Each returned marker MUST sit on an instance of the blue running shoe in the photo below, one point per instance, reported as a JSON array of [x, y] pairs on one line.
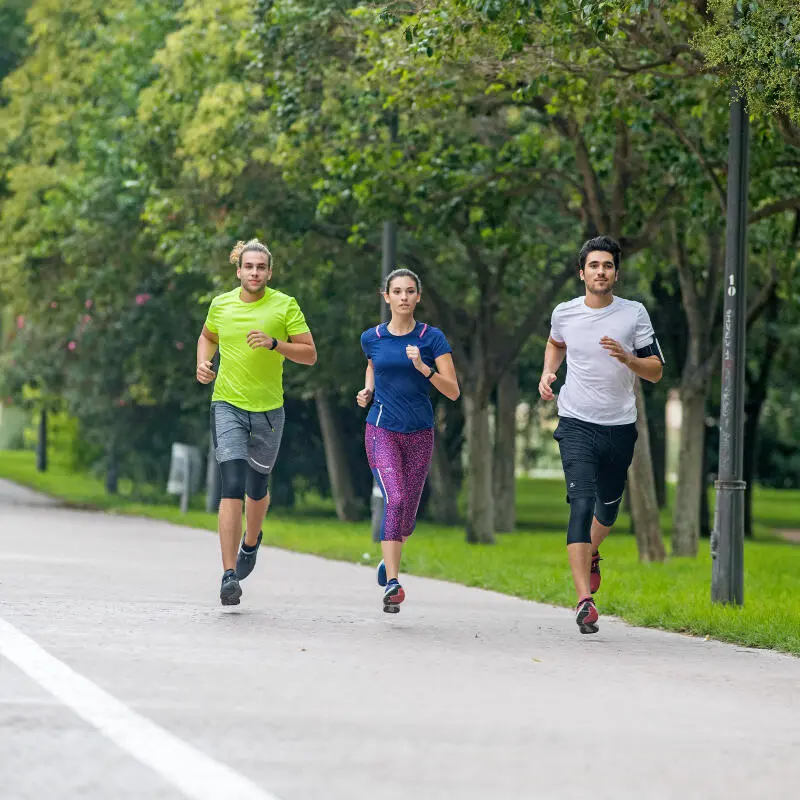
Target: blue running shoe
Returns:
[[381, 574], [393, 595]]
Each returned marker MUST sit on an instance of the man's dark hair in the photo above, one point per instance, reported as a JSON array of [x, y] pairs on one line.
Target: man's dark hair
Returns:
[[604, 243]]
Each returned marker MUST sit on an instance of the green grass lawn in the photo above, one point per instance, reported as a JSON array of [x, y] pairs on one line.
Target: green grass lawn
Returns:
[[531, 563]]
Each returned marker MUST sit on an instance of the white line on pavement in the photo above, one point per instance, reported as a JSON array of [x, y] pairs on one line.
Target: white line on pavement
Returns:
[[197, 775]]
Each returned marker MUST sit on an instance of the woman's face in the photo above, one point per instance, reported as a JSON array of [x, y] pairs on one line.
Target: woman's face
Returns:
[[402, 296]]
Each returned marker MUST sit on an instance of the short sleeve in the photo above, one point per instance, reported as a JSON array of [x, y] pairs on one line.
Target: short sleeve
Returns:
[[644, 333], [556, 334], [212, 318], [365, 344], [439, 344], [295, 321]]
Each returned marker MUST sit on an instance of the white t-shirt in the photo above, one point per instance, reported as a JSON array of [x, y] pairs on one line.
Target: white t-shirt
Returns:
[[599, 388]]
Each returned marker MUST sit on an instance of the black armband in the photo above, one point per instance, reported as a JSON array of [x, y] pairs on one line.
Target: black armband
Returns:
[[652, 349]]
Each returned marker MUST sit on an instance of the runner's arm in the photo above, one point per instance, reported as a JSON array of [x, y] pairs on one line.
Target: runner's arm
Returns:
[[207, 344], [554, 355], [369, 377], [300, 348], [649, 368], [364, 397], [444, 377]]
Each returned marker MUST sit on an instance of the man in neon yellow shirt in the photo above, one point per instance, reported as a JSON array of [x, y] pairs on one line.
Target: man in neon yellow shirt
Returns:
[[255, 329]]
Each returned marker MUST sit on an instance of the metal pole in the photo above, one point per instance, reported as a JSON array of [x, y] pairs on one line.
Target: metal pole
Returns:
[[727, 539], [388, 261]]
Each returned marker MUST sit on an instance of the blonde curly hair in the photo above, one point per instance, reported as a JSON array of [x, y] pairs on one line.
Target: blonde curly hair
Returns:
[[242, 247]]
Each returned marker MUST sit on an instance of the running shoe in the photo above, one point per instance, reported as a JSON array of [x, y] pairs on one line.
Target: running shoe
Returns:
[[393, 595], [381, 574], [586, 616], [230, 591], [594, 574], [246, 561]]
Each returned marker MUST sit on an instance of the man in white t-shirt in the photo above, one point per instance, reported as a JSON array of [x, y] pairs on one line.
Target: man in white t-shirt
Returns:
[[607, 342]]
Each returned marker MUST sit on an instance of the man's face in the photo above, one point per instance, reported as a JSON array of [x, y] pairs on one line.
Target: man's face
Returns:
[[599, 273], [254, 272]]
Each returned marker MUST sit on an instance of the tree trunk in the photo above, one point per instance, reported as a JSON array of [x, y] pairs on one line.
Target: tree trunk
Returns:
[[642, 491], [443, 501], [751, 424], [691, 481], [480, 503], [748, 476], [756, 397], [348, 506], [112, 472], [41, 443], [505, 452], [656, 402]]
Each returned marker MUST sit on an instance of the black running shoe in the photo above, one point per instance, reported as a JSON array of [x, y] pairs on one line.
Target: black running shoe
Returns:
[[230, 591], [586, 616], [246, 561]]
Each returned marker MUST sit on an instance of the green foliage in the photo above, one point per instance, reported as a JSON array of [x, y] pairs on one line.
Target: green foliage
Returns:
[[14, 35], [756, 46], [140, 140]]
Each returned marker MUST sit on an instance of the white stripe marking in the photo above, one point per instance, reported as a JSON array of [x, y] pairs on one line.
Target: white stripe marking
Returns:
[[197, 775], [611, 502], [383, 485]]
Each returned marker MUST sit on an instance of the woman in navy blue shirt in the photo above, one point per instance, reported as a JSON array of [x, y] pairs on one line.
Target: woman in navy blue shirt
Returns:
[[404, 359]]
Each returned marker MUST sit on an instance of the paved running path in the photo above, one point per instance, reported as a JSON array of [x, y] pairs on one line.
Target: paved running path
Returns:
[[466, 694]]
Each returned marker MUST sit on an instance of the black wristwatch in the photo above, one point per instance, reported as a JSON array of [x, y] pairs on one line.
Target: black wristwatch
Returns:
[[274, 343], [433, 372]]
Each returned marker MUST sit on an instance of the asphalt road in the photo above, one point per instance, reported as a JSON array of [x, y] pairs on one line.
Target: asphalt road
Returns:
[[122, 677]]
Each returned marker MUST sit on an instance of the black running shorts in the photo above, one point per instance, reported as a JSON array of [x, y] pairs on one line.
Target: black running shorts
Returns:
[[595, 458], [254, 436]]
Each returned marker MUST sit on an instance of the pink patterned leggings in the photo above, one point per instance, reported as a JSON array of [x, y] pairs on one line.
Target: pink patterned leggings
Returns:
[[400, 464]]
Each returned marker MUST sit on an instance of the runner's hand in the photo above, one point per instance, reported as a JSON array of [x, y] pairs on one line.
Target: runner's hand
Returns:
[[258, 339], [413, 353], [364, 397], [545, 392], [616, 350], [204, 372]]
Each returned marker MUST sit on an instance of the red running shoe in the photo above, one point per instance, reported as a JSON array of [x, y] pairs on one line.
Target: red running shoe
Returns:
[[594, 574], [586, 616]]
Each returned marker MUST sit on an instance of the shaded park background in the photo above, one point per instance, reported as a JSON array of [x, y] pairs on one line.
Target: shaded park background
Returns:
[[139, 140]]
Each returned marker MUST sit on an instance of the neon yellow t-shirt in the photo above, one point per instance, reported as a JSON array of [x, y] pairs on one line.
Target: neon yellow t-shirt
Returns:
[[252, 379]]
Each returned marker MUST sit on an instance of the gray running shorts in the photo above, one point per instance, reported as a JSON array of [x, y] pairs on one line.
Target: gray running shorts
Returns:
[[254, 436]]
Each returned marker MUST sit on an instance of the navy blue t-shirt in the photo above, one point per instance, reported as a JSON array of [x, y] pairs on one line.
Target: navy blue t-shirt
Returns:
[[402, 394]]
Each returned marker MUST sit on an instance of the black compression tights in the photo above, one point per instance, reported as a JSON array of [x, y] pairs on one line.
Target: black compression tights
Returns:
[[239, 478]]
